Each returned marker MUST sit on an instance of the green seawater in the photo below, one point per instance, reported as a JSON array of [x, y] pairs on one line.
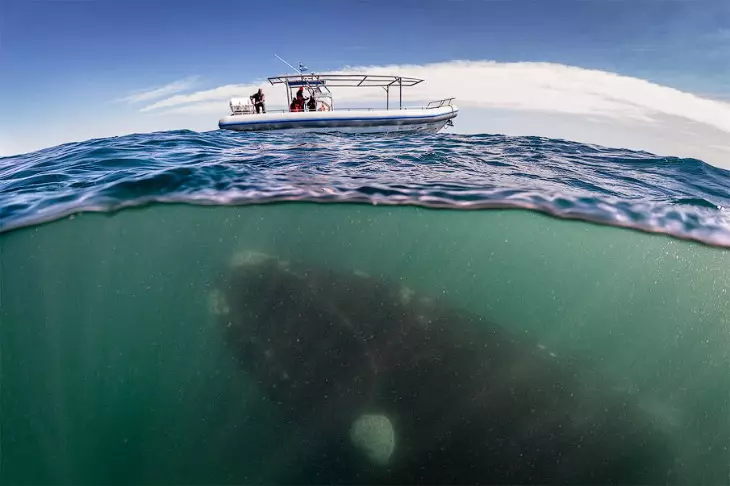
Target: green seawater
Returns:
[[113, 371]]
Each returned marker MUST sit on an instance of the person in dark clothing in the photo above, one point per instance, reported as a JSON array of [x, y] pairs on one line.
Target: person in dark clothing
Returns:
[[258, 101], [312, 104]]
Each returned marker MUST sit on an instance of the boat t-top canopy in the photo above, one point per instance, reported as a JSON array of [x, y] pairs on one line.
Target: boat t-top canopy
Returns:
[[344, 80], [312, 80]]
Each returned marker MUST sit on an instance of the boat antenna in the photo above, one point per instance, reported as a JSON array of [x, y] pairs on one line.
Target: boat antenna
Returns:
[[299, 71]]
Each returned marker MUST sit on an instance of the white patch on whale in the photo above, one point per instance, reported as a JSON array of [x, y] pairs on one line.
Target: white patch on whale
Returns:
[[218, 303], [406, 294], [668, 416], [249, 257], [423, 321], [374, 435]]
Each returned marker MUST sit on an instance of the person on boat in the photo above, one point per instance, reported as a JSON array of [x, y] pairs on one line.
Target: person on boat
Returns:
[[312, 104], [258, 100], [300, 97], [297, 104]]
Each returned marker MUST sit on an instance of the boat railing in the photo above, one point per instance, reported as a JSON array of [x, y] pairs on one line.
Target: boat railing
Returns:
[[318, 111], [439, 103], [431, 105]]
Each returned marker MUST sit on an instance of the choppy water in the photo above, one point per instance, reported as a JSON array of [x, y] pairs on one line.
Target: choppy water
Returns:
[[113, 368], [684, 197]]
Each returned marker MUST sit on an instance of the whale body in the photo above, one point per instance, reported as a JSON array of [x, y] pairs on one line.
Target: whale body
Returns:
[[463, 400]]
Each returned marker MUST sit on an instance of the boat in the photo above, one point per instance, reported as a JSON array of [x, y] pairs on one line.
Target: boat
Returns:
[[326, 117]]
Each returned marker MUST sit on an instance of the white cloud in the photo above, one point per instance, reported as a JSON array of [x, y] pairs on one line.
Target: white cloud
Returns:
[[720, 35], [221, 94], [208, 108], [556, 88], [166, 90]]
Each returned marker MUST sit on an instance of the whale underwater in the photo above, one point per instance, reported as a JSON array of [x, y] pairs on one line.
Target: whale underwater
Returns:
[[377, 384]]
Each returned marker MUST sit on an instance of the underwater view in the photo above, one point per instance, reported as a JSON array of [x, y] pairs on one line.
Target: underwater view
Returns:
[[200, 308]]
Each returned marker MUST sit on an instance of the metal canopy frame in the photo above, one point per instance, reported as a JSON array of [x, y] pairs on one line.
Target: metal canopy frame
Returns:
[[346, 81]]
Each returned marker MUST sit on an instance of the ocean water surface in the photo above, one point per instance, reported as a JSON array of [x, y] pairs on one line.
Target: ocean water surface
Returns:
[[114, 362]]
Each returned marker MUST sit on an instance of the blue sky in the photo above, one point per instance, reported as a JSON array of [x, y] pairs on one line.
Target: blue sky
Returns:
[[67, 60]]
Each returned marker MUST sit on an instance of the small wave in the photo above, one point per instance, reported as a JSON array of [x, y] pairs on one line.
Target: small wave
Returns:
[[685, 198]]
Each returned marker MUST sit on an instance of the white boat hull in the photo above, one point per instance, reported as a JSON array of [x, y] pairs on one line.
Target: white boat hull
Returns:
[[356, 121]]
